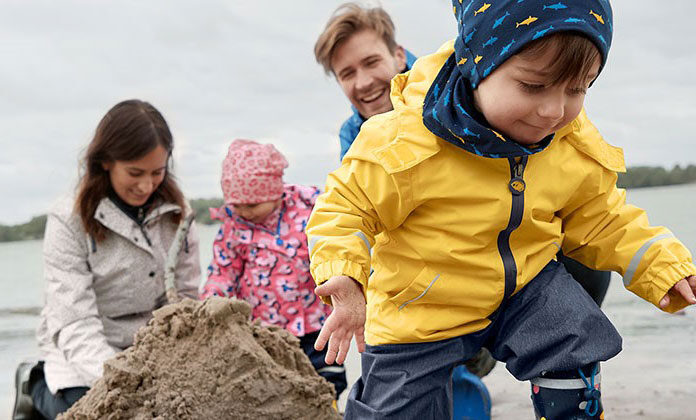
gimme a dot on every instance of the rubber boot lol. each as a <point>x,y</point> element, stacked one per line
<point>24,379</point>
<point>568,395</point>
<point>470,397</point>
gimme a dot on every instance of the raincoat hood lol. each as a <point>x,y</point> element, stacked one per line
<point>489,34</point>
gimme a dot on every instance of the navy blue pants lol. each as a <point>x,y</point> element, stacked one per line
<point>336,374</point>
<point>46,403</point>
<point>595,283</point>
<point>550,325</point>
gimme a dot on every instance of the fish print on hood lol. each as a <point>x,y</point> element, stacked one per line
<point>489,34</point>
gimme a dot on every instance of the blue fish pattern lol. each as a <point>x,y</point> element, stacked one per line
<point>557,6</point>
<point>506,48</point>
<point>541,33</point>
<point>490,41</point>
<point>500,20</point>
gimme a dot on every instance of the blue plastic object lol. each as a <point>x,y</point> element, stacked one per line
<point>470,396</point>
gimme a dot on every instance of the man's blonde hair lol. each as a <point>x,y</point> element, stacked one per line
<point>348,19</point>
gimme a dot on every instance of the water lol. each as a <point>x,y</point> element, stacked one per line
<point>21,286</point>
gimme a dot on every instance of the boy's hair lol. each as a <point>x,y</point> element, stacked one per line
<point>573,60</point>
<point>348,19</point>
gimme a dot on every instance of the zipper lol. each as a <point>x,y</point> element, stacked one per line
<point>517,186</point>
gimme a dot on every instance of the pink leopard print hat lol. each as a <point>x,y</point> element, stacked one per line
<point>252,173</point>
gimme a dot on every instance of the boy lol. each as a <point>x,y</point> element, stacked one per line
<point>485,168</point>
<point>358,47</point>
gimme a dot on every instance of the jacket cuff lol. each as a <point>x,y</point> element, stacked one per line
<point>324,271</point>
<point>665,280</point>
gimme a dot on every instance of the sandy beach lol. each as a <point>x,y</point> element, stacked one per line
<point>654,377</point>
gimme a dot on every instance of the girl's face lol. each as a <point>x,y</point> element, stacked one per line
<point>518,101</point>
<point>135,181</point>
<point>256,212</point>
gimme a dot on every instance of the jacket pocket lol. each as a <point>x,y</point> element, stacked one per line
<point>425,288</point>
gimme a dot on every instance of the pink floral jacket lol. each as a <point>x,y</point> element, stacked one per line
<point>267,264</point>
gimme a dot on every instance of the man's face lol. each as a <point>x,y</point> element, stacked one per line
<point>364,67</point>
<point>518,100</point>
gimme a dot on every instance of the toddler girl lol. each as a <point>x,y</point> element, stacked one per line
<point>260,254</point>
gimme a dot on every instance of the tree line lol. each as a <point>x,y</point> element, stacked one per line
<point>634,177</point>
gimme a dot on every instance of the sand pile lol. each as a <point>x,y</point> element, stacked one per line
<point>200,360</point>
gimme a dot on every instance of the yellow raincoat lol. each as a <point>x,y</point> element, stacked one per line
<point>447,227</point>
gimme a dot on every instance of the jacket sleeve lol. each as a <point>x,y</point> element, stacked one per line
<point>361,200</point>
<point>72,315</point>
<point>188,268</point>
<point>226,268</point>
<point>604,232</point>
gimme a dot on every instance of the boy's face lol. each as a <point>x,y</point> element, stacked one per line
<point>518,100</point>
<point>364,67</point>
<point>256,212</point>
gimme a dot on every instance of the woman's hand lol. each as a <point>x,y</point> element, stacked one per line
<point>346,320</point>
<point>685,288</point>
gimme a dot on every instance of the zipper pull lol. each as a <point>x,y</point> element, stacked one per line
<point>517,184</point>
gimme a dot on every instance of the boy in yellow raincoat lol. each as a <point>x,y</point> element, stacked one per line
<point>460,198</point>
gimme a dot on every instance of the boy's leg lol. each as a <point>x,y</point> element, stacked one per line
<point>336,374</point>
<point>406,381</point>
<point>594,282</point>
<point>549,329</point>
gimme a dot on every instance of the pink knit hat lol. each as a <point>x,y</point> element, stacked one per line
<point>252,173</point>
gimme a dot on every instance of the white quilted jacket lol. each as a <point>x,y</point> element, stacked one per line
<point>98,295</point>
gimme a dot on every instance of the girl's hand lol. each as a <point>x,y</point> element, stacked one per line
<point>346,320</point>
<point>685,288</point>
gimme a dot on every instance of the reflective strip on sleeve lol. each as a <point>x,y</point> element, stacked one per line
<point>362,236</point>
<point>313,242</point>
<point>563,383</point>
<point>638,256</point>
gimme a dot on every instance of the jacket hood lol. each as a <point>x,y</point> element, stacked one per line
<point>408,93</point>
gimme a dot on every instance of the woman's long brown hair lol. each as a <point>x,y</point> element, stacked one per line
<point>129,131</point>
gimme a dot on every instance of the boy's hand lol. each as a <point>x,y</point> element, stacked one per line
<point>685,288</point>
<point>346,320</point>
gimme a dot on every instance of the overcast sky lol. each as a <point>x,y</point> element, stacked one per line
<point>221,70</point>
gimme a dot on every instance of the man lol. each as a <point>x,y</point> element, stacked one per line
<point>359,49</point>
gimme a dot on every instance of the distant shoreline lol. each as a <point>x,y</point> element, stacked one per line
<point>634,177</point>
<point>34,229</point>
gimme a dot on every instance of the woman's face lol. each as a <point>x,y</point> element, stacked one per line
<point>135,181</point>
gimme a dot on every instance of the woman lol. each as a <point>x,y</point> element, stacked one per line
<point>104,254</point>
